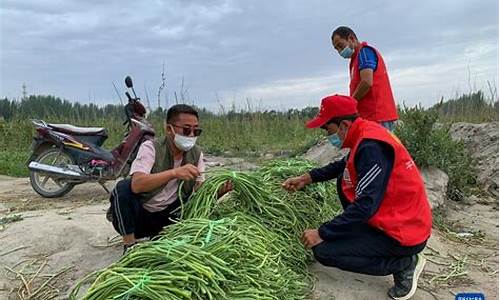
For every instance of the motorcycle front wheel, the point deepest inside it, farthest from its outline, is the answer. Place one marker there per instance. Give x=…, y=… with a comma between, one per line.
x=45, y=185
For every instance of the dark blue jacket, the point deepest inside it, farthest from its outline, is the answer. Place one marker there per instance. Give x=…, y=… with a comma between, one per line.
x=374, y=161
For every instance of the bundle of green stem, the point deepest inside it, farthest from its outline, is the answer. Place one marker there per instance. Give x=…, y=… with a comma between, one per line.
x=230, y=258
x=244, y=247
x=263, y=259
x=260, y=194
x=283, y=169
x=250, y=195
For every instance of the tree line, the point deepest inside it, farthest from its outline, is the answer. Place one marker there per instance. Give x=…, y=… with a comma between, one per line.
x=48, y=106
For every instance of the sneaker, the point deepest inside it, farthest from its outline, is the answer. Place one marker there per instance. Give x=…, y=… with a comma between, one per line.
x=109, y=215
x=405, y=282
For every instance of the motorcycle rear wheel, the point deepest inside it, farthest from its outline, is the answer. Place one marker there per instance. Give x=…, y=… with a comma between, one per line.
x=45, y=185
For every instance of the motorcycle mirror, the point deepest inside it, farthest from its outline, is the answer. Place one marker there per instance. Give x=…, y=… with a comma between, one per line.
x=128, y=82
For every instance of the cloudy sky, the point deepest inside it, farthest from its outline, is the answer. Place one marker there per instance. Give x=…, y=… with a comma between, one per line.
x=276, y=54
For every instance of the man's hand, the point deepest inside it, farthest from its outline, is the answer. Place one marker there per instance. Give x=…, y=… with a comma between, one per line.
x=311, y=238
x=225, y=188
x=296, y=183
x=364, y=85
x=186, y=172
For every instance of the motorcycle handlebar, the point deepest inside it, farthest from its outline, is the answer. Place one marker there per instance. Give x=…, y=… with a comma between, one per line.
x=134, y=108
x=129, y=97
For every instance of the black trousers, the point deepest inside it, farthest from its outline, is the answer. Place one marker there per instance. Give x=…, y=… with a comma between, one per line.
x=366, y=250
x=129, y=216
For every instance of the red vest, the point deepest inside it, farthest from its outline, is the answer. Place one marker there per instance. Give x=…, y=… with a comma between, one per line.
x=378, y=104
x=404, y=213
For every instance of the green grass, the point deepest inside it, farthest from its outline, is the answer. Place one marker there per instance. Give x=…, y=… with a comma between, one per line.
x=243, y=135
x=253, y=134
x=473, y=107
x=13, y=163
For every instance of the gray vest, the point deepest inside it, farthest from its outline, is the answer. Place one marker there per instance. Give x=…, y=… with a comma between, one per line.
x=164, y=160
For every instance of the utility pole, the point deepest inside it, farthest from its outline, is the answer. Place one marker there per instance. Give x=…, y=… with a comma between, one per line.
x=25, y=94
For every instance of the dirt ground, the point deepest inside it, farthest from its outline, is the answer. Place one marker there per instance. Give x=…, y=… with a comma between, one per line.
x=56, y=242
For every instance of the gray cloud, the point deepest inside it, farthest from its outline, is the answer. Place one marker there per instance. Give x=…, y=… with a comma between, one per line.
x=277, y=53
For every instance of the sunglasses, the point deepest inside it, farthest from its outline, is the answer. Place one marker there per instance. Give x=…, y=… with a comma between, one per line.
x=187, y=130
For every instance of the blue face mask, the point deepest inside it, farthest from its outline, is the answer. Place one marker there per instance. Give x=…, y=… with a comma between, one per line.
x=346, y=52
x=334, y=140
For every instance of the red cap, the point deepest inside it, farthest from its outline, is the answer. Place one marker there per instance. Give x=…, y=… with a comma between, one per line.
x=332, y=107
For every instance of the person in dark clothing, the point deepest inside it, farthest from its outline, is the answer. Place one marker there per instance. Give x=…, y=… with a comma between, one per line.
x=386, y=220
x=129, y=214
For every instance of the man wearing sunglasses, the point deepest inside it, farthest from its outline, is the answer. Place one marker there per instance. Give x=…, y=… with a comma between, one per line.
x=387, y=218
x=143, y=204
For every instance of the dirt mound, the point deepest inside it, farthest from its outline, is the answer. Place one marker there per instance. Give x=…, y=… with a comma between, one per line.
x=482, y=142
x=324, y=153
x=436, y=184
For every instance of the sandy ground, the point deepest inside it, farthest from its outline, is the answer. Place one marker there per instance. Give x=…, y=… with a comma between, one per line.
x=58, y=241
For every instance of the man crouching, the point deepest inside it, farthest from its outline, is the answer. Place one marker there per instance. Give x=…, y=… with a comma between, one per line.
x=143, y=204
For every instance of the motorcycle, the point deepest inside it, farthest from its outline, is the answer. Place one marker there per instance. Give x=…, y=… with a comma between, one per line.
x=65, y=155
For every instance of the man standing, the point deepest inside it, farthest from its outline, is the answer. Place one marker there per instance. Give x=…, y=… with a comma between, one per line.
x=143, y=204
x=387, y=218
x=370, y=84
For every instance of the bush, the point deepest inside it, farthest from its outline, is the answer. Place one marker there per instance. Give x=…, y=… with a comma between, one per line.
x=430, y=144
x=14, y=163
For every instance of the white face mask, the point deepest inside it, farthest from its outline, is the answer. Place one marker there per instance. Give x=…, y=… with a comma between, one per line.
x=184, y=143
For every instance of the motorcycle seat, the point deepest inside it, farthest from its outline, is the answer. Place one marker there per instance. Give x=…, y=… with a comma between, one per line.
x=79, y=130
